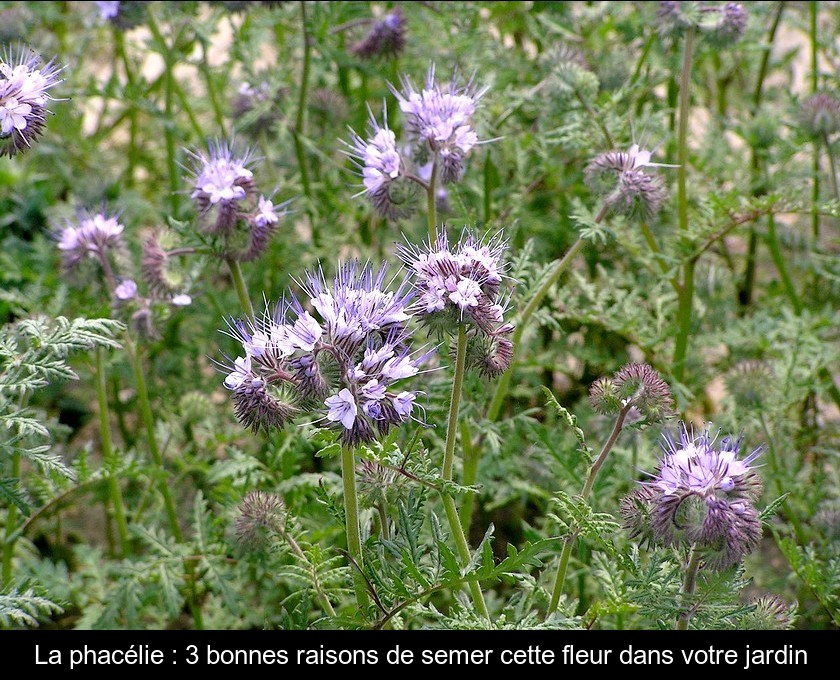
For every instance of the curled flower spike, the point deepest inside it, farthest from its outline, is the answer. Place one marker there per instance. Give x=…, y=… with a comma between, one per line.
x=222, y=183
x=702, y=495
x=23, y=98
x=260, y=514
x=441, y=118
x=340, y=362
x=726, y=24
x=381, y=166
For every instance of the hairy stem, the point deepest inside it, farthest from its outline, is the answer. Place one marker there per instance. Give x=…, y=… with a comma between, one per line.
x=351, y=521
x=687, y=288
x=495, y=407
x=448, y=462
x=300, y=118
x=241, y=286
x=568, y=544
x=689, y=584
x=108, y=453
x=431, y=202
x=316, y=583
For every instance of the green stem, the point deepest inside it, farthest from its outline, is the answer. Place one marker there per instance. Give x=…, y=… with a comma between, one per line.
x=154, y=451
x=689, y=585
x=204, y=67
x=11, y=520
x=431, y=202
x=316, y=583
x=241, y=286
x=169, y=119
x=833, y=165
x=351, y=520
x=779, y=261
x=108, y=453
x=383, y=521
x=746, y=288
x=560, y=579
x=119, y=41
x=637, y=72
x=686, y=296
x=470, y=475
x=300, y=118
x=448, y=463
x=650, y=239
x=559, y=267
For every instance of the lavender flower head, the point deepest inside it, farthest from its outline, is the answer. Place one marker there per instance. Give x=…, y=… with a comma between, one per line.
x=440, y=117
x=702, y=495
x=94, y=234
x=619, y=177
x=637, y=389
x=222, y=183
x=386, y=37
x=462, y=284
x=341, y=363
x=224, y=192
x=23, y=98
x=381, y=165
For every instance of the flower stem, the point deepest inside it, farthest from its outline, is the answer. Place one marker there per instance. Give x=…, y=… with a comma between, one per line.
x=241, y=286
x=119, y=42
x=470, y=474
x=815, y=187
x=560, y=579
x=779, y=261
x=833, y=165
x=686, y=296
x=316, y=583
x=431, y=202
x=689, y=584
x=154, y=451
x=108, y=453
x=448, y=462
x=351, y=521
x=168, y=118
x=300, y=118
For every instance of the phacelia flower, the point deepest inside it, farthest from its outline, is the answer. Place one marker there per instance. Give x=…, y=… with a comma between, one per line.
x=463, y=284
x=256, y=107
x=619, y=177
x=93, y=235
x=636, y=388
x=770, y=612
x=440, y=118
x=381, y=165
x=340, y=363
x=386, y=37
x=222, y=183
x=819, y=115
x=24, y=86
x=702, y=495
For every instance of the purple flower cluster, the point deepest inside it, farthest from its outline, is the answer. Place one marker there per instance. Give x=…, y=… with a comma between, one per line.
x=462, y=284
x=439, y=121
x=702, y=495
x=23, y=98
x=99, y=236
x=386, y=37
x=342, y=362
x=224, y=193
x=628, y=189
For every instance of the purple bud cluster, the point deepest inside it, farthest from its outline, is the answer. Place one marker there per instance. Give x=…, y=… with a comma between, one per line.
x=619, y=177
x=386, y=38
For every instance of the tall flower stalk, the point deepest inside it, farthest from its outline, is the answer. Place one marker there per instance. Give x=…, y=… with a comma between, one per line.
x=636, y=390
